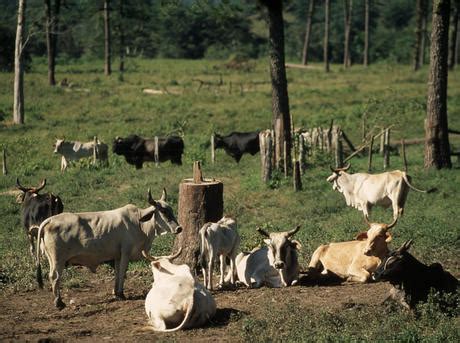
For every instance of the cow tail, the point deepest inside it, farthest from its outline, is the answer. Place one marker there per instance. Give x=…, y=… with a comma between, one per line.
x=406, y=180
x=187, y=317
x=39, y=237
x=203, y=234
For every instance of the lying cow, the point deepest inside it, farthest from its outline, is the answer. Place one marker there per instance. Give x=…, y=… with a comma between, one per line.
x=73, y=151
x=138, y=150
x=221, y=240
x=91, y=238
x=238, y=143
x=275, y=265
x=363, y=190
x=414, y=278
x=354, y=260
x=176, y=300
x=36, y=208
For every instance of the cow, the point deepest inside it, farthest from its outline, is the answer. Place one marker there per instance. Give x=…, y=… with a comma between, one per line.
x=138, y=150
x=73, y=151
x=275, y=265
x=218, y=240
x=238, y=143
x=363, y=190
x=412, y=278
x=176, y=300
x=354, y=260
x=36, y=208
x=91, y=238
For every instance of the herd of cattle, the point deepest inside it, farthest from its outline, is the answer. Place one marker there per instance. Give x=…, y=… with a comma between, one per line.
x=177, y=299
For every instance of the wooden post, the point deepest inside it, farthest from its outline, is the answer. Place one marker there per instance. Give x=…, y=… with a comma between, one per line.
x=338, y=146
x=156, y=153
x=4, y=168
x=297, y=179
x=369, y=162
x=386, y=150
x=199, y=203
x=302, y=154
x=95, y=152
x=285, y=160
x=403, y=148
x=213, y=150
x=382, y=142
x=266, y=152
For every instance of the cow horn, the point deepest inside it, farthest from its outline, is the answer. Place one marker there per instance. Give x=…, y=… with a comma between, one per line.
x=148, y=256
x=393, y=223
x=41, y=186
x=263, y=232
x=173, y=256
x=366, y=219
x=164, y=195
x=18, y=186
x=406, y=245
x=293, y=231
x=150, y=199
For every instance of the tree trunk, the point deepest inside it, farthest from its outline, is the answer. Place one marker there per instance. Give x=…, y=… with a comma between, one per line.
x=280, y=99
x=122, y=37
x=453, y=34
x=51, y=29
x=18, y=105
x=327, y=17
x=366, y=34
x=107, y=65
x=424, y=33
x=437, y=151
x=306, y=43
x=348, y=5
x=418, y=35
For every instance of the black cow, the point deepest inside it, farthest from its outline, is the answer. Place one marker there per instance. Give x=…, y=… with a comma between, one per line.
x=36, y=208
x=414, y=278
x=138, y=150
x=238, y=143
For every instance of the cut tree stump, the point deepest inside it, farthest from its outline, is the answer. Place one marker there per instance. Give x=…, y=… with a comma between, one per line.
x=200, y=201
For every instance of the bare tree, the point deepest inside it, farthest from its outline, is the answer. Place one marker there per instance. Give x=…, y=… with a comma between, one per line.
x=18, y=95
x=327, y=17
x=418, y=34
x=347, y=7
x=437, y=150
x=107, y=64
x=306, y=43
x=453, y=34
x=122, y=37
x=51, y=29
x=366, y=34
x=280, y=98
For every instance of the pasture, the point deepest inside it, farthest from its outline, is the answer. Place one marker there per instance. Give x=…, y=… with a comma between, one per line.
x=240, y=101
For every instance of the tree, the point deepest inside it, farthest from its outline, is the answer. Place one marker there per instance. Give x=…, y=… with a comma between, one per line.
x=418, y=35
x=280, y=98
x=18, y=95
x=107, y=47
x=424, y=33
x=51, y=29
x=327, y=17
x=121, y=32
x=348, y=5
x=453, y=34
x=306, y=44
x=437, y=150
x=366, y=34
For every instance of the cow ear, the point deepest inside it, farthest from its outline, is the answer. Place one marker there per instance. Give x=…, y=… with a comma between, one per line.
x=268, y=241
x=296, y=244
x=156, y=265
x=389, y=237
x=362, y=236
x=146, y=215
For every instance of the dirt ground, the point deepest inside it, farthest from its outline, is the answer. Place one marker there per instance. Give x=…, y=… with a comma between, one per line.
x=92, y=314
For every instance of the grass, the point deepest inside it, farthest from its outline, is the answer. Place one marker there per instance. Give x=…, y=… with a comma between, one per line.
x=111, y=106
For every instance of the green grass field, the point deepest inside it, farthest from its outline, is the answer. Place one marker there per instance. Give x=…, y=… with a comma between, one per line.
x=111, y=106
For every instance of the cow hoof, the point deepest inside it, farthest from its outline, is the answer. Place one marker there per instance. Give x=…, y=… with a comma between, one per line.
x=120, y=296
x=59, y=304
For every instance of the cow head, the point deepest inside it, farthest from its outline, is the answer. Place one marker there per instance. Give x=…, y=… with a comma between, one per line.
x=161, y=265
x=58, y=145
x=218, y=141
x=28, y=192
x=128, y=145
x=392, y=268
x=376, y=237
x=161, y=214
x=335, y=177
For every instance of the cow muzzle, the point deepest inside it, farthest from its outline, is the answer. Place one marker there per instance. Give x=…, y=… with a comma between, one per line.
x=279, y=264
x=178, y=230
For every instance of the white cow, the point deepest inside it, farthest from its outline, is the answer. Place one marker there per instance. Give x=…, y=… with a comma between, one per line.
x=91, y=238
x=221, y=240
x=176, y=300
x=363, y=190
x=275, y=265
x=73, y=151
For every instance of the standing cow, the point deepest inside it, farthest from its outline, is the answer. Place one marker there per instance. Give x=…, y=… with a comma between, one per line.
x=362, y=190
x=138, y=150
x=91, y=238
x=36, y=208
x=238, y=143
x=73, y=151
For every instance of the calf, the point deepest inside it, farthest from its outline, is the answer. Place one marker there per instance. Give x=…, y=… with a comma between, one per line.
x=73, y=151
x=354, y=260
x=221, y=240
x=275, y=265
x=414, y=278
x=36, y=208
x=176, y=300
x=238, y=143
x=138, y=150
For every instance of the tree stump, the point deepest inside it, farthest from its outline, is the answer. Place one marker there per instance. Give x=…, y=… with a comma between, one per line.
x=266, y=154
x=200, y=201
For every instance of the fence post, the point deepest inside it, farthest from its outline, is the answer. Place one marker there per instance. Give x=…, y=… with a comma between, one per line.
x=297, y=179
x=213, y=150
x=266, y=152
x=386, y=150
x=95, y=154
x=338, y=147
x=156, y=153
x=369, y=161
x=382, y=142
x=302, y=155
x=285, y=161
x=403, y=150
x=4, y=168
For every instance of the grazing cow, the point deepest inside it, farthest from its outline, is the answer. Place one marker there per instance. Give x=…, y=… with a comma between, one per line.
x=73, y=151
x=354, y=260
x=91, y=238
x=414, y=278
x=363, y=190
x=138, y=150
x=36, y=208
x=176, y=300
x=275, y=265
x=238, y=143
x=221, y=240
